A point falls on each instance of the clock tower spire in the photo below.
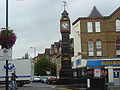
(65, 22)
(66, 69)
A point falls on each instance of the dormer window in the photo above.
(118, 25)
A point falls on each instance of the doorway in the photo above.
(116, 77)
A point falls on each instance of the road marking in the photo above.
(53, 87)
(61, 88)
(64, 89)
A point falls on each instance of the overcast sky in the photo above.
(36, 22)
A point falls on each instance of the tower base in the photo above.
(65, 76)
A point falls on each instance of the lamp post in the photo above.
(7, 42)
(7, 78)
(6, 14)
(34, 50)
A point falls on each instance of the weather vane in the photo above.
(64, 4)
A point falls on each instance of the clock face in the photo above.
(65, 25)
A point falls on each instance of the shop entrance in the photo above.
(116, 77)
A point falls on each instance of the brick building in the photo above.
(55, 55)
(97, 37)
(99, 34)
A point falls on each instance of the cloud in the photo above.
(37, 22)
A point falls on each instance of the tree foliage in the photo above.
(42, 65)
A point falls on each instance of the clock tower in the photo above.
(66, 69)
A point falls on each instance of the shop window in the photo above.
(89, 27)
(118, 25)
(98, 48)
(116, 74)
(97, 27)
(118, 47)
(90, 48)
(74, 73)
(72, 64)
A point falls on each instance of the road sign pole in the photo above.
(7, 78)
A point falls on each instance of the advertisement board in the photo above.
(97, 73)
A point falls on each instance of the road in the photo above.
(37, 86)
(41, 86)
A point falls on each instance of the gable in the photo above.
(116, 13)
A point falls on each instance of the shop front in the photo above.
(79, 72)
(109, 69)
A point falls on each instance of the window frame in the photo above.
(98, 48)
(117, 24)
(97, 26)
(118, 47)
(90, 48)
(89, 27)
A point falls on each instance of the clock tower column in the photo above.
(66, 69)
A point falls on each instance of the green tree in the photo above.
(42, 65)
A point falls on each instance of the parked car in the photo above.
(52, 80)
(36, 79)
(44, 79)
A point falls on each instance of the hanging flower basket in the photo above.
(7, 39)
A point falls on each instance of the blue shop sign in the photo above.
(99, 63)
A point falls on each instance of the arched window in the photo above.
(118, 47)
(98, 48)
(118, 25)
(90, 48)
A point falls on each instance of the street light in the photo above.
(6, 28)
(34, 50)
(7, 78)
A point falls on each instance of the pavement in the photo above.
(61, 87)
(77, 87)
(2, 88)
(114, 87)
(71, 87)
